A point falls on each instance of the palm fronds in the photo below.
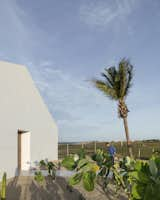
(106, 88)
(117, 81)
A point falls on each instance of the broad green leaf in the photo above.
(75, 179)
(138, 165)
(153, 168)
(68, 162)
(88, 180)
(82, 163)
(87, 167)
(152, 192)
(139, 176)
(148, 192)
(157, 161)
(137, 191)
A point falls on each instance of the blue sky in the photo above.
(66, 43)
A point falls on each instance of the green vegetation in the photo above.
(3, 187)
(81, 153)
(88, 179)
(69, 163)
(45, 165)
(141, 149)
(137, 178)
(51, 169)
(50, 166)
(39, 177)
(86, 170)
(116, 86)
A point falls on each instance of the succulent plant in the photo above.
(3, 187)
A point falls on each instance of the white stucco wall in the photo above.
(21, 107)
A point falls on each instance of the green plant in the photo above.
(42, 164)
(51, 169)
(81, 153)
(39, 177)
(145, 180)
(102, 158)
(69, 163)
(86, 172)
(3, 187)
(139, 179)
(88, 168)
(116, 86)
(98, 156)
(89, 180)
(104, 162)
(50, 166)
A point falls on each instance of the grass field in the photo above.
(141, 149)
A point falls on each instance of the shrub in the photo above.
(69, 163)
(139, 179)
(51, 169)
(81, 153)
(43, 164)
(87, 169)
(145, 180)
(39, 177)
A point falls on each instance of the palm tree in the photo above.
(116, 86)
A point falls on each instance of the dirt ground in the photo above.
(26, 188)
(99, 194)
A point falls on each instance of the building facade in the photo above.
(28, 132)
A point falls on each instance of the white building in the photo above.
(22, 108)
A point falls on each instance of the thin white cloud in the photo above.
(15, 35)
(72, 101)
(21, 39)
(100, 13)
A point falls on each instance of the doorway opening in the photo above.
(24, 157)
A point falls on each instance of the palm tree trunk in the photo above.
(127, 137)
